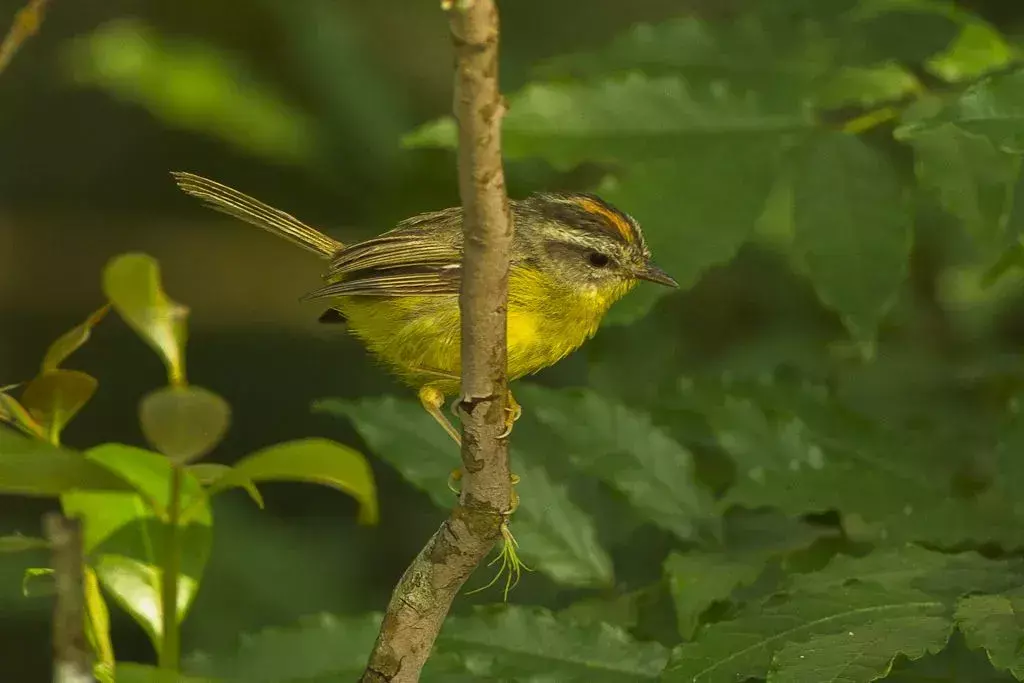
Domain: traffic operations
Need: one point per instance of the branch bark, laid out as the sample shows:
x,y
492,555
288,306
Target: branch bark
x,y
425,592
72,661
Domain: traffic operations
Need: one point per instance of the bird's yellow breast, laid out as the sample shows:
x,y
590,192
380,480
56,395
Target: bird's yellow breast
x,y
419,336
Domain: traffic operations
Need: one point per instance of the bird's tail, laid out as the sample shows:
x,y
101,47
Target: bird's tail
x,y
234,203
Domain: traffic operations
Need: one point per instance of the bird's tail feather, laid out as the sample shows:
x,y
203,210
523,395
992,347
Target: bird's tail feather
x,y
234,203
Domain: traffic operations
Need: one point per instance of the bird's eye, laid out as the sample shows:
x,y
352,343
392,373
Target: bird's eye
x,y
597,259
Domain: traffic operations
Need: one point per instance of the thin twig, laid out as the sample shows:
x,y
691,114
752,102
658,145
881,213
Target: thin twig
x,y
26,24
72,661
425,592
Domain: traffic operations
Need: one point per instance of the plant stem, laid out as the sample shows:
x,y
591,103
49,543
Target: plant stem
x,y
170,649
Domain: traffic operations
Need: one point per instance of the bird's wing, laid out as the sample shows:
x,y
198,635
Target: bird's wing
x,y
422,256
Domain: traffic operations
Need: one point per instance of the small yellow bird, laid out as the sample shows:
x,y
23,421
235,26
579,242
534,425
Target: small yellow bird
x,y
573,256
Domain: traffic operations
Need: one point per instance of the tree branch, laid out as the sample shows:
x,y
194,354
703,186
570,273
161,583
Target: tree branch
x,y
425,592
72,661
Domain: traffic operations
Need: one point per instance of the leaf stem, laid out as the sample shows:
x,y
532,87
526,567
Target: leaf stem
x,y
170,649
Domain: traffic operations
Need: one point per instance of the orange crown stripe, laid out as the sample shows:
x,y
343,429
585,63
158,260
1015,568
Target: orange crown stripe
x,y
620,223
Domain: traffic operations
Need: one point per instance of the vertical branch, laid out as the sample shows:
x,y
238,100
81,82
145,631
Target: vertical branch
x,y
425,592
72,662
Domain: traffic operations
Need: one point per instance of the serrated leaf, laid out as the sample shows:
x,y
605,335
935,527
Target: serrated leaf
x,y
995,623
555,536
862,655
852,228
700,577
624,449
992,108
969,176
132,283
208,472
796,450
71,341
744,647
125,533
184,422
696,210
319,648
632,118
31,467
54,398
317,461
954,664
519,642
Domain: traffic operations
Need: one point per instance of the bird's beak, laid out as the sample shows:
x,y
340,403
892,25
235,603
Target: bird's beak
x,y
653,273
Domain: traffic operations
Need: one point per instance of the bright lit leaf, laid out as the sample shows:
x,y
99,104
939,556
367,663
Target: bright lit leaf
x,y
37,582
31,467
53,398
317,461
97,621
852,225
13,413
209,473
184,422
72,340
125,533
132,283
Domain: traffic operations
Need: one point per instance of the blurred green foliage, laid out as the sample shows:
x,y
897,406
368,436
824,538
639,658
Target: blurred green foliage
x,y
804,467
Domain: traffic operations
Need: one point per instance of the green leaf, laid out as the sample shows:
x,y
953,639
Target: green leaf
x,y
192,85
970,178
992,108
630,118
142,673
954,664
125,533
53,398
71,341
797,450
132,283
852,225
724,183
995,623
624,449
516,643
700,577
862,655
97,621
317,461
979,49
744,647
37,582
320,647
13,413
208,472
184,423
30,467
19,544
555,536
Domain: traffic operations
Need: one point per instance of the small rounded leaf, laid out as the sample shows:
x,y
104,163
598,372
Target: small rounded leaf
x,y
184,423
55,397
132,283
72,340
15,414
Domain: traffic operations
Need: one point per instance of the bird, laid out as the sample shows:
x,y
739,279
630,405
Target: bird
x,y
573,255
